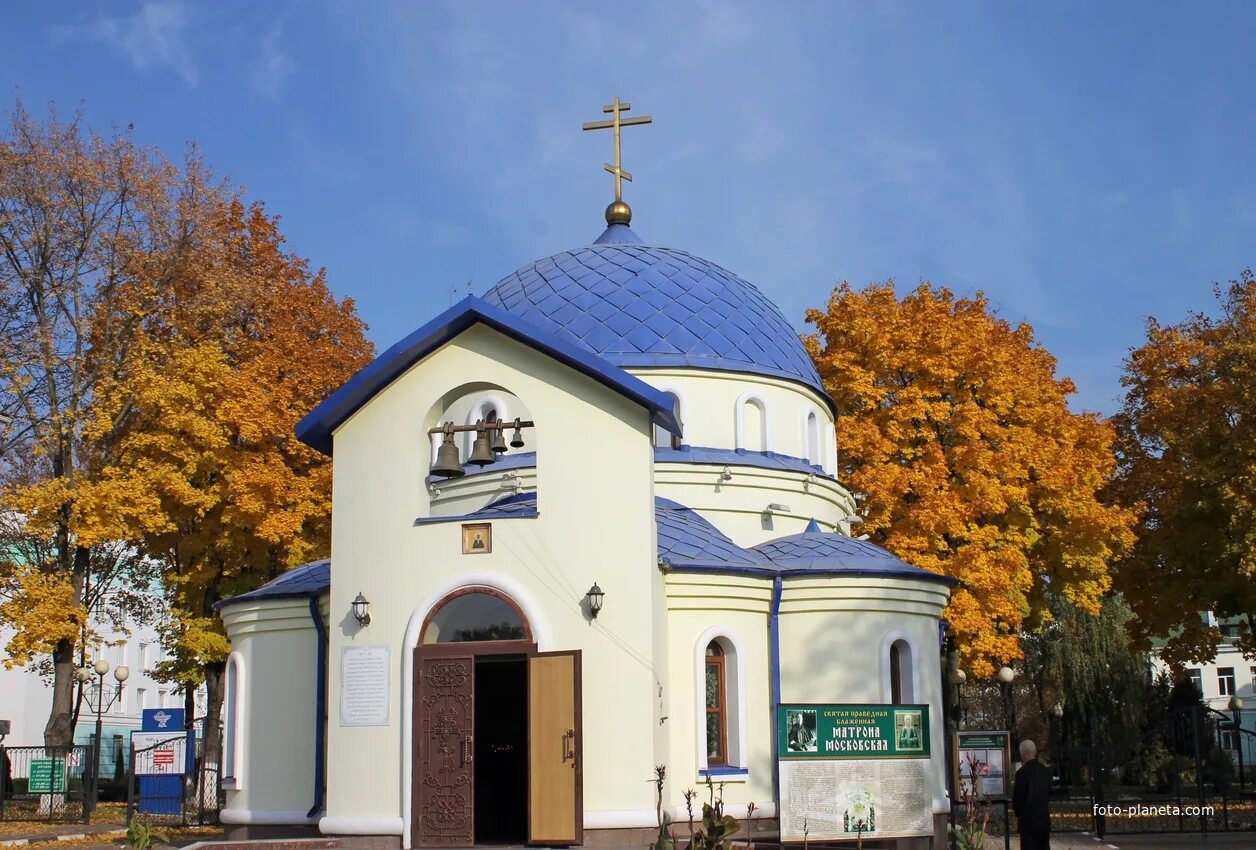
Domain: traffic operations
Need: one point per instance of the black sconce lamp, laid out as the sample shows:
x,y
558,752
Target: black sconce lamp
x,y
594,596
361,610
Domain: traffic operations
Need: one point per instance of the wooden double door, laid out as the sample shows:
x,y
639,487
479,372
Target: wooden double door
x,y
497,747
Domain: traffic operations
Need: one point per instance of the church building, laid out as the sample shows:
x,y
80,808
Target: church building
x,y
584,525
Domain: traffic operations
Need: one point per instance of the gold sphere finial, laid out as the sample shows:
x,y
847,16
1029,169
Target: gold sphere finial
x,y
618,213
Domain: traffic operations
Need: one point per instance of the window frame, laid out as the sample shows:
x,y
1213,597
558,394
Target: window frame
x,y
721,711
528,639
1226,682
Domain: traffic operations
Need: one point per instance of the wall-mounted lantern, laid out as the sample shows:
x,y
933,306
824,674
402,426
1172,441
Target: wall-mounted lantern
x,y
361,610
594,596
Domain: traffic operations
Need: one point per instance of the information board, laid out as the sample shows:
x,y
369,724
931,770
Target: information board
x,y
47,776
988,755
854,770
364,674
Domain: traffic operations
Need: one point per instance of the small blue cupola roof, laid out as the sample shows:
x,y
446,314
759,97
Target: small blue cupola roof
x,y
641,305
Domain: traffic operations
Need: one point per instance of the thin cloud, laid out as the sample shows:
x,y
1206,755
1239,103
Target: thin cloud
x,y
152,39
274,65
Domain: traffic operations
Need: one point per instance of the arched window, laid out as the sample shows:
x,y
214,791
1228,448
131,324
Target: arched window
x,y
720,704
233,712
812,438
475,614
716,680
901,690
664,438
752,424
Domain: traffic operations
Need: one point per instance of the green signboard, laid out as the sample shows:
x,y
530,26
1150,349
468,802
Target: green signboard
x,y
854,731
47,776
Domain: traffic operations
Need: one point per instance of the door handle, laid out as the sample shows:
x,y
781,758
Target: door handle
x,y
466,750
569,747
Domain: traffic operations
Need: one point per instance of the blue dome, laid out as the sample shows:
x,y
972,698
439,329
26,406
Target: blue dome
x,y
641,305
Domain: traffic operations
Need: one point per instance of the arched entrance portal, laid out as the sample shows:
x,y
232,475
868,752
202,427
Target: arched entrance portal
x,y
496,728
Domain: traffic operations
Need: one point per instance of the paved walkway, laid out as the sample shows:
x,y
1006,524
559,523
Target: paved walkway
x,y
1169,841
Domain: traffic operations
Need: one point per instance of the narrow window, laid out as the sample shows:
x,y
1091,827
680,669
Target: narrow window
x,y
813,439
716,706
664,438
902,691
753,422
231,704
1225,681
896,673
1196,678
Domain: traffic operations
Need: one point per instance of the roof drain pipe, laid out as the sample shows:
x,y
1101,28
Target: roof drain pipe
x,y
774,674
320,710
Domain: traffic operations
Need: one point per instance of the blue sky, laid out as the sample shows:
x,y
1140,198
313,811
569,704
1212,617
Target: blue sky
x,y
1085,164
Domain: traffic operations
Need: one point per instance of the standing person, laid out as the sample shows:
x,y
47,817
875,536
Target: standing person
x,y
1029,800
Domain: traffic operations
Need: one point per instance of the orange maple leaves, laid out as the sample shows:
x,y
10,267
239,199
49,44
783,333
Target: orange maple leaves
x,y
955,428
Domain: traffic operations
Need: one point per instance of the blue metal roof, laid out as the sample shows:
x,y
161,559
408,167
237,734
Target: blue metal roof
x,y
643,305
828,552
687,542
311,579
734,457
316,428
686,539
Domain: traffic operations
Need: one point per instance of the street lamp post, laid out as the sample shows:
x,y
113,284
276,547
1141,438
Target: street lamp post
x,y
102,704
1006,676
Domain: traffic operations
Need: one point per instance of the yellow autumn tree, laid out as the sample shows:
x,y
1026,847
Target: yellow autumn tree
x,y
205,472
83,216
957,434
1187,453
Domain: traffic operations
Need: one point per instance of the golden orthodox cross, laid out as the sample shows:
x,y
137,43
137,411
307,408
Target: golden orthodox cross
x,y
615,108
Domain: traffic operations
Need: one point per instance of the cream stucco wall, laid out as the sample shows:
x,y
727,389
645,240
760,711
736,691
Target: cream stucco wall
x,y
733,609
835,640
275,644
594,483
709,403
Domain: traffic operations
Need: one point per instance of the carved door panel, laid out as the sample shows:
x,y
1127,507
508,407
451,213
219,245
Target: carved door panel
x,y
555,774
444,781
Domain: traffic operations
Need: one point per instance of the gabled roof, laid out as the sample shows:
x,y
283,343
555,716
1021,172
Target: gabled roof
x,y
315,430
301,582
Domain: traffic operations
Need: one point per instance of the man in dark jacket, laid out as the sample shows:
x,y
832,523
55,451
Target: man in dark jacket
x,y
1029,800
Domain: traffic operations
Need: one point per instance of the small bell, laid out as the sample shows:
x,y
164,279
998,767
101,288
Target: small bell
x,y
499,440
481,451
447,464
516,441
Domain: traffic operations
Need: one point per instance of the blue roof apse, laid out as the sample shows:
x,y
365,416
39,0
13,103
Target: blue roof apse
x,y
819,551
643,305
310,579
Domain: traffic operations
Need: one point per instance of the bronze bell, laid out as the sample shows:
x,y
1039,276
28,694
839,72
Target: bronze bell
x,y
516,440
481,451
499,440
447,463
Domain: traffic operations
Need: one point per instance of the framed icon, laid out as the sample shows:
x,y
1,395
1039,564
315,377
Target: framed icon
x,y
477,538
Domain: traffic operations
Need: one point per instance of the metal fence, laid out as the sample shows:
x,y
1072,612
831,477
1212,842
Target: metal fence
x,y
158,793
44,783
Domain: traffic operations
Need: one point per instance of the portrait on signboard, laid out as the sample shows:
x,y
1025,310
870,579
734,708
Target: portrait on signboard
x,y
802,730
908,731
477,539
